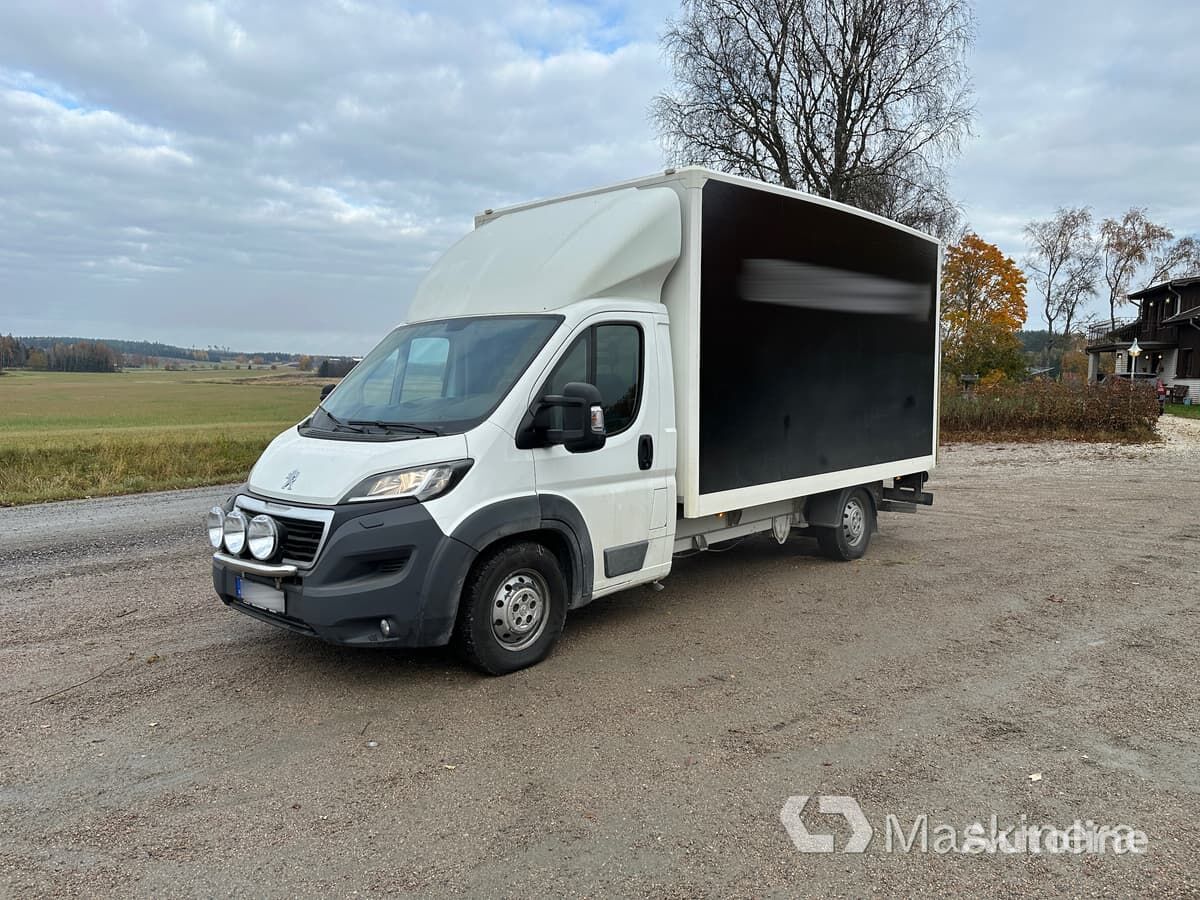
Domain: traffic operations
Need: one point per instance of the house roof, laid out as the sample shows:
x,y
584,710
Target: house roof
x,y
1192,313
1170,283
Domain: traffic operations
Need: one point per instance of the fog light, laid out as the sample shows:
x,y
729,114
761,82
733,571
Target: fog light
x,y
385,627
216,526
263,537
235,532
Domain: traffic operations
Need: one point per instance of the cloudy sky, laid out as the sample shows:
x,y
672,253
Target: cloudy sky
x,y
277,175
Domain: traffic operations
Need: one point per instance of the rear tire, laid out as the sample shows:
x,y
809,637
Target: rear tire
x,y
513,608
849,539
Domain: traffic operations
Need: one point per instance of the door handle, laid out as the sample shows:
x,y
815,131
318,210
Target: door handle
x,y
645,452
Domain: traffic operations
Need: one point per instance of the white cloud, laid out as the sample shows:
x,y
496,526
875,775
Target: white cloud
x,y
288,169
1082,104
277,174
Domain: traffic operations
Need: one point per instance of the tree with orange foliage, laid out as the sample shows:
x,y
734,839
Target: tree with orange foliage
x,y
983,307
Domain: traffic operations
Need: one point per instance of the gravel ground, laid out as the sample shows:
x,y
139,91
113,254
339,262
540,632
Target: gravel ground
x,y
1040,619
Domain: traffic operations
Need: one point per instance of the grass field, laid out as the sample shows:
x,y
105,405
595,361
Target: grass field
x,y
1188,412
67,435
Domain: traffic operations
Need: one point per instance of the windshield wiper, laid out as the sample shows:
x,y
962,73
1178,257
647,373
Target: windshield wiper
x,y
338,423
387,426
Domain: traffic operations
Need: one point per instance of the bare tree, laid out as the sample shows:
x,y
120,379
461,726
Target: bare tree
x,y
1082,275
1064,262
1181,257
861,101
1126,246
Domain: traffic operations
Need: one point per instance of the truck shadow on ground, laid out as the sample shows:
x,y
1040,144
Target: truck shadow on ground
x,y
699,588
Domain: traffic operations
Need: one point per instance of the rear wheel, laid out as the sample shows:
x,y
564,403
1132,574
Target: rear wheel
x,y
513,609
850,538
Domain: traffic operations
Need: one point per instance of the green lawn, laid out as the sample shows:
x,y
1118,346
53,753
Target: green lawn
x,y
38,401
66,435
1188,412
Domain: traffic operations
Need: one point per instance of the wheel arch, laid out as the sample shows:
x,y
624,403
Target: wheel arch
x,y
824,510
549,519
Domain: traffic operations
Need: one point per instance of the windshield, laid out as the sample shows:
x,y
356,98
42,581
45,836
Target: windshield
x,y
435,377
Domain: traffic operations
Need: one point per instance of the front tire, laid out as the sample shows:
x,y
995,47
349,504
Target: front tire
x,y
513,609
850,538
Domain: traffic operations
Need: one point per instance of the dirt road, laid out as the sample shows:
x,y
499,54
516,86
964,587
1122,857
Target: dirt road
x,y
1041,619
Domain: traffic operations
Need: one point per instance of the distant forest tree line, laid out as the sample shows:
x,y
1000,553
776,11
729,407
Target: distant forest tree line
x,y
58,356
158,350
72,354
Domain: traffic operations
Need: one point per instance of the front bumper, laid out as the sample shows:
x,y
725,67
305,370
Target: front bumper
x,y
253,567
376,562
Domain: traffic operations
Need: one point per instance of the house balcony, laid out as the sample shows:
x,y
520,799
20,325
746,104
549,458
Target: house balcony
x,y
1151,336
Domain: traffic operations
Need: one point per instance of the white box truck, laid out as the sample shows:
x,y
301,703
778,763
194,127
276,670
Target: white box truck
x,y
585,387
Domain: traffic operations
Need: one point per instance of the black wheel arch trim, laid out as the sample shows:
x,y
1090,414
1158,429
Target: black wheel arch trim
x,y
504,519
522,515
824,510
561,515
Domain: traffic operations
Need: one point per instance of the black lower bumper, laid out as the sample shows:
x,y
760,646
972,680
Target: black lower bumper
x,y
376,564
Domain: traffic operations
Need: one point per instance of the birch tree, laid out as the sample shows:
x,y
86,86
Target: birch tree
x,y
1064,265
1126,246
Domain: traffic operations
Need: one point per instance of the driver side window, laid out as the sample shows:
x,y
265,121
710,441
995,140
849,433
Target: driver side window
x,y
609,357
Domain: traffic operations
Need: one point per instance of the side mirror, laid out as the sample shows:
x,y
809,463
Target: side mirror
x,y
582,423
327,390
586,414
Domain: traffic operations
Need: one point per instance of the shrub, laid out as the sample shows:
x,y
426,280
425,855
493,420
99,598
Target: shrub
x,y
1113,410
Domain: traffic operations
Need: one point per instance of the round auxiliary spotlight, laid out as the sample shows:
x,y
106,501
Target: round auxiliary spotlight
x,y
216,526
262,534
235,532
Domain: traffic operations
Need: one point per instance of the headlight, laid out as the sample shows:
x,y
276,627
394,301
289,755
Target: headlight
x,y
262,534
423,484
235,532
216,526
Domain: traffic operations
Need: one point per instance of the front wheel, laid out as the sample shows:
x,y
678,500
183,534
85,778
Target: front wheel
x,y
849,539
513,609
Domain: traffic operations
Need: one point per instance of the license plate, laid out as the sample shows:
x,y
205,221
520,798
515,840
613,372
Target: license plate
x,y
261,595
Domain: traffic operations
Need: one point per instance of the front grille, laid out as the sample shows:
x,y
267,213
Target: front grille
x,y
301,538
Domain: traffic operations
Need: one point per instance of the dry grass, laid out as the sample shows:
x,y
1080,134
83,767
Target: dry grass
x,y
1047,410
69,435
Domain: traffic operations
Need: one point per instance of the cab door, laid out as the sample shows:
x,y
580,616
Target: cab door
x,y
613,487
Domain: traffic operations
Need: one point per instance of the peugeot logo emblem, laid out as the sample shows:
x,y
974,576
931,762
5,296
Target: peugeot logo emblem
x,y
291,479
